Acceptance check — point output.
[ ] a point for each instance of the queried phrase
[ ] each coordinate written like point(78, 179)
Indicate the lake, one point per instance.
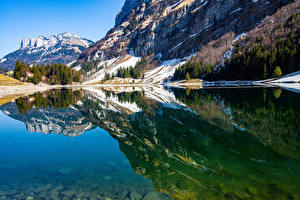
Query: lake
point(151, 143)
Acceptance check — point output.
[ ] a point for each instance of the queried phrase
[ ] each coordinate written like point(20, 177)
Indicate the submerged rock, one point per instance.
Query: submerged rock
point(107, 177)
point(152, 196)
point(65, 170)
point(135, 196)
point(111, 163)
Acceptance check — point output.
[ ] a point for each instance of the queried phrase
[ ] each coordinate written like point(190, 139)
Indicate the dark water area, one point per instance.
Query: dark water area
point(151, 143)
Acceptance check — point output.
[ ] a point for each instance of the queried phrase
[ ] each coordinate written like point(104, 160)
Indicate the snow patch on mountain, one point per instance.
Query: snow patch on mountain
point(111, 67)
point(3, 60)
point(228, 54)
point(160, 74)
point(165, 71)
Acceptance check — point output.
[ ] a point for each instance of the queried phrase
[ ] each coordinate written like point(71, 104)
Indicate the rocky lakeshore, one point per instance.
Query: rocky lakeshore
point(25, 89)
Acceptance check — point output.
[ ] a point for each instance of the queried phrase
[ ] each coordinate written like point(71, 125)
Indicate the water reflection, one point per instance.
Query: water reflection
point(50, 112)
point(196, 144)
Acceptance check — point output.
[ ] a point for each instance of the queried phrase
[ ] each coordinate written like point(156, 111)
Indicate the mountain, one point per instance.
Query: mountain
point(269, 50)
point(63, 48)
point(167, 33)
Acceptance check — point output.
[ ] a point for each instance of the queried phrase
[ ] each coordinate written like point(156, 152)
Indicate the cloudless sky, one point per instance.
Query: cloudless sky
point(32, 18)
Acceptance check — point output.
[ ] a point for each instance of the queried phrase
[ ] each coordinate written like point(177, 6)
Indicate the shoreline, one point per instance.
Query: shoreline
point(28, 88)
point(25, 89)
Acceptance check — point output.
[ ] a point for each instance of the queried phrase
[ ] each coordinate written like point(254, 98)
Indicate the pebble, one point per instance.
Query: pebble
point(30, 198)
point(107, 177)
point(152, 196)
point(135, 196)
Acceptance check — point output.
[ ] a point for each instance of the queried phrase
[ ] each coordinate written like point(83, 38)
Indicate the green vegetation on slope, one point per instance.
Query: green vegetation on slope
point(50, 74)
point(269, 51)
point(258, 59)
point(192, 69)
point(131, 72)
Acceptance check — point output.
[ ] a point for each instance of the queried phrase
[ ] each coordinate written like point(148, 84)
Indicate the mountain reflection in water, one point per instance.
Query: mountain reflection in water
point(191, 144)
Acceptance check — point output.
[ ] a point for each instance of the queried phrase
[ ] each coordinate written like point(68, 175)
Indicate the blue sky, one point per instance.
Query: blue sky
point(32, 18)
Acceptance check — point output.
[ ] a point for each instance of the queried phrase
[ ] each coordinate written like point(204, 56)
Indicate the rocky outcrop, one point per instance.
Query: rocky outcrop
point(63, 48)
point(175, 28)
point(126, 10)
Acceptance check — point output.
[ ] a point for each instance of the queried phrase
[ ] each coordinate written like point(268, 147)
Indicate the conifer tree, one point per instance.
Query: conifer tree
point(187, 77)
point(277, 71)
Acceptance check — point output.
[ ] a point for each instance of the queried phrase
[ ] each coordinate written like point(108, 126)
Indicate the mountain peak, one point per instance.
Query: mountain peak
point(62, 48)
point(53, 40)
point(128, 6)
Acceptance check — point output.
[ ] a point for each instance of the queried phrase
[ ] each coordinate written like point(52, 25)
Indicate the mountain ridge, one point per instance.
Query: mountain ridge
point(166, 30)
point(63, 48)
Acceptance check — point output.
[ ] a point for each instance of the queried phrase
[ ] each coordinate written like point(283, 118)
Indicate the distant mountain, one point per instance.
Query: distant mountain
point(170, 32)
point(63, 48)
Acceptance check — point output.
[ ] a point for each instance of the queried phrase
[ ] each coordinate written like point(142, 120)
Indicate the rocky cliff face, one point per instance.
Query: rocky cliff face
point(175, 29)
point(63, 48)
point(126, 10)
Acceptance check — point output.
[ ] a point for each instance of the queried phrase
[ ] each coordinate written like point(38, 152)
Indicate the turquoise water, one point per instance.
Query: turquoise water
point(180, 144)
point(59, 167)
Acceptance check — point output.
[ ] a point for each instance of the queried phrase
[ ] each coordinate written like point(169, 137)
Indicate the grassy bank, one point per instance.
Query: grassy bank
point(8, 81)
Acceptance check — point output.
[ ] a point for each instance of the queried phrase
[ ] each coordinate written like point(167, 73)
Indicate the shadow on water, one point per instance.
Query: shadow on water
point(191, 144)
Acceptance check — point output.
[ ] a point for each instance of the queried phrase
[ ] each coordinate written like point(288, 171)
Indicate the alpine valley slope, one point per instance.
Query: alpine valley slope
point(168, 32)
point(63, 48)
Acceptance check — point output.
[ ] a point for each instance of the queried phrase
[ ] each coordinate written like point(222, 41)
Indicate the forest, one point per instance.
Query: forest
point(192, 69)
point(135, 72)
point(131, 72)
point(264, 61)
point(271, 51)
point(51, 74)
